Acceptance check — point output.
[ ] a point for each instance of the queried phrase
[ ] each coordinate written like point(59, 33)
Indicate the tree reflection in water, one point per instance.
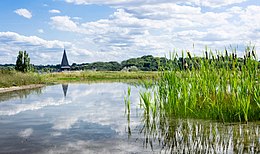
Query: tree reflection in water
point(19, 94)
point(198, 136)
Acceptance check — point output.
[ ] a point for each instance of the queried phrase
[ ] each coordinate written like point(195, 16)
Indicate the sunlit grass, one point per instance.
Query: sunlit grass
point(13, 78)
point(99, 76)
point(217, 89)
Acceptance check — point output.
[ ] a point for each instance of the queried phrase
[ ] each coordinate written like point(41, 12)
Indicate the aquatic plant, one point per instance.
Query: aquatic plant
point(209, 88)
point(127, 100)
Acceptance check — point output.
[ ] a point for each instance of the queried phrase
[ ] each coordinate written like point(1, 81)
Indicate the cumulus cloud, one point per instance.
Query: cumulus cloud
point(24, 12)
point(54, 11)
point(137, 27)
point(64, 23)
point(41, 51)
point(12, 37)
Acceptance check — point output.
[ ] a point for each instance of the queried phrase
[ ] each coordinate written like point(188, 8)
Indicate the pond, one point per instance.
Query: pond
point(92, 118)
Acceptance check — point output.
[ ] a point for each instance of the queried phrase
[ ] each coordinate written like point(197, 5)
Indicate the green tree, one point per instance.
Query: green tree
point(23, 62)
point(19, 61)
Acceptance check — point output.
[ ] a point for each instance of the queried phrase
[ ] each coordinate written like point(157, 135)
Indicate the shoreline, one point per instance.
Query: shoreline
point(15, 88)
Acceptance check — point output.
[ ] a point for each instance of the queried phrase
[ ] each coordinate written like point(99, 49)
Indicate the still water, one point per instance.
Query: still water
point(92, 118)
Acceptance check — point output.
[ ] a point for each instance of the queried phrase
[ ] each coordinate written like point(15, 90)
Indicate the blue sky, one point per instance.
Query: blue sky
point(101, 30)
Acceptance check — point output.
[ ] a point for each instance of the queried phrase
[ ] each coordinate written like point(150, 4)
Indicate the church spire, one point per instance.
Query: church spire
point(64, 62)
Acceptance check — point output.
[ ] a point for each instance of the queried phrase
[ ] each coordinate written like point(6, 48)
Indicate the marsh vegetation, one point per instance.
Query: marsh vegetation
point(9, 78)
point(216, 87)
point(85, 76)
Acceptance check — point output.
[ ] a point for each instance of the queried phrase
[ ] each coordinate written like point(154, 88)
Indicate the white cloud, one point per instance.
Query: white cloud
point(219, 3)
point(54, 11)
point(12, 37)
point(24, 12)
point(41, 51)
point(40, 31)
point(77, 18)
point(64, 23)
point(116, 3)
point(86, 2)
point(137, 27)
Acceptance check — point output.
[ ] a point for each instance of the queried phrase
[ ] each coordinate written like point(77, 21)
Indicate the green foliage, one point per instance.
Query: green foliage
point(222, 90)
point(19, 62)
point(9, 78)
point(23, 62)
point(46, 68)
point(145, 63)
point(98, 66)
point(130, 69)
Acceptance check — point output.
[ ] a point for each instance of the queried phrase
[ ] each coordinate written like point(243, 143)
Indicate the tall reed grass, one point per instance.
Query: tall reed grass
point(10, 78)
point(216, 87)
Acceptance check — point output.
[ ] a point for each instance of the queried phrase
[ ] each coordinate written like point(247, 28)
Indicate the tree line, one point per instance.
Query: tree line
point(144, 63)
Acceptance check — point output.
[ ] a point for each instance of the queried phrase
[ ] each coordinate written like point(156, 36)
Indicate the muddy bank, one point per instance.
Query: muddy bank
point(15, 88)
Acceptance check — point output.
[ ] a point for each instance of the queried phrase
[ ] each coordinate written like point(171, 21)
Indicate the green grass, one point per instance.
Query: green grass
point(228, 94)
point(13, 78)
point(88, 76)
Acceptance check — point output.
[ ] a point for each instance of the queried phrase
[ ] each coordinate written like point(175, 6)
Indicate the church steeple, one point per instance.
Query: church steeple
point(64, 62)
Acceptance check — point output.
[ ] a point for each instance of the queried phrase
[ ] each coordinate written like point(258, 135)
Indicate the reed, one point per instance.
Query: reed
point(222, 90)
point(9, 78)
point(128, 101)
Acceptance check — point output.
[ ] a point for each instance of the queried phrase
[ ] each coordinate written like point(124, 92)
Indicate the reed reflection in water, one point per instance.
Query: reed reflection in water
point(199, 136)
point(92, 119)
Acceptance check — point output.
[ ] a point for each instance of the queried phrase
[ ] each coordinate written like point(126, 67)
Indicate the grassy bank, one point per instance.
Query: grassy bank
point(230, 93)
point(86, 76)
point(13, 78)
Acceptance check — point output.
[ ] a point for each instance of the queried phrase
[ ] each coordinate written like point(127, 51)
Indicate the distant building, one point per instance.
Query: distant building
point(64, 63)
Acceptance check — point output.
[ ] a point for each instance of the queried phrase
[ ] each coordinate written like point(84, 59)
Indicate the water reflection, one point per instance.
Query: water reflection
point(198, 136)
point(93, 119)
point(19, 94)
point(65, 89)
point(16, 102)
point(90, 118)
